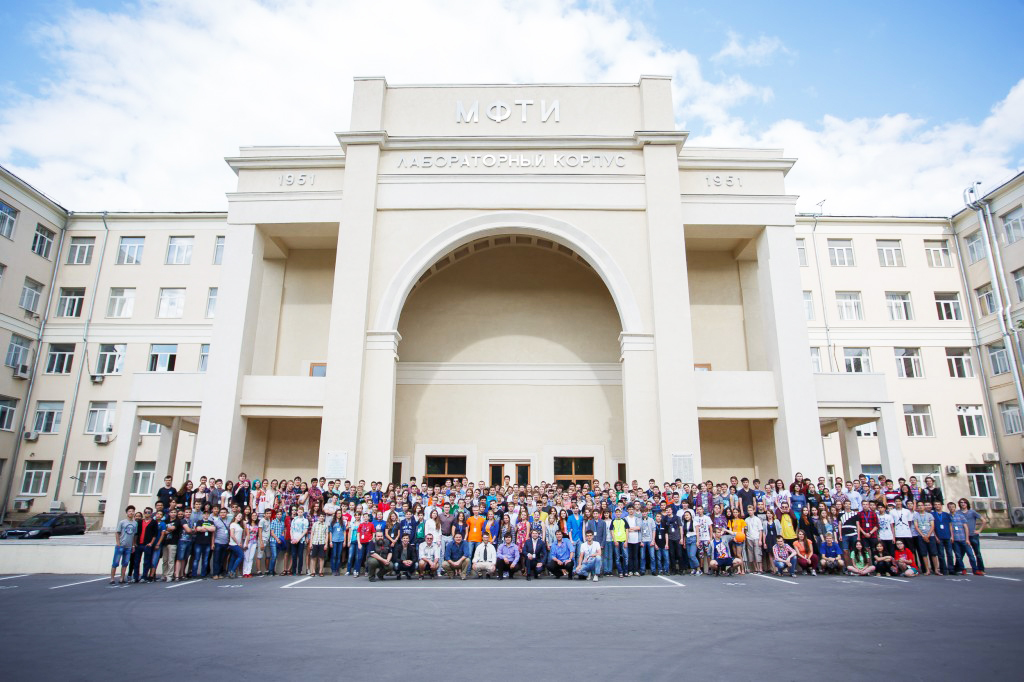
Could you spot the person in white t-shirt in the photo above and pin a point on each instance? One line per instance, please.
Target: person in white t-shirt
(902, 522)
(589, 564)
(886, 523)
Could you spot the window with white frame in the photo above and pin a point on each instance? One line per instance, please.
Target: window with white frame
(70, 302)
(162, 357)
(8, 216)
(908, 363)
(7, 408)
(857, 360)
(809, 305)
(869, 430)
(142, 478)
(3, 269)
(42, 241)
(971, 420)
(172, 303)
(90, 478)
(849, 305)
(121, 302)
(179, 250)
(982, 480)
(1013, 225)
(211, 302)
(898, 303)
(918, 419)
(148, 428)
(129, 250)
(188, 471)
(959, 362)
(975, 247)
(937, 253)
(1018, 282)
(998, 358)
(947, 305)
(31, 291)
(924, 471)
(59, 358)
(111, 358)
(204, 356)
(816, 360)
(80, 251)
(36, 478)
(1010, 413)
(1018, 475)
(986, 299)
(840, 252)
(100, 418)
(801, 252)
(48, 415)
(218, 250)
(890, 253)
(18, 351)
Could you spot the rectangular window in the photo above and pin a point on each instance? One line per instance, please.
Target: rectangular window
(960, 364)
(816, 360)
(971, 421)
(975, 247)
(90, 478)
(858, 360)
(129, 250)
(121, 302)
(8, 216)
(998, 358)
(218, 250)
(1013, 226)
(890, 253)
(42, 241)
(162, 357)
(1018, 282)
(148, 428)
(31, 291)
(849, 305)
(48, 414)
(947, 305)
(70, 302)
(36, 479)
(172, 303)
(3, 269)
(100, 418)
(80, 251)
(919, 420)
(1010, 412)
(809, 305)
(60, 358)
(986, 299)
(801, 252)
(211, 302)
(204, 356)
(982, 479)
(840, 253)
(869, 430)
(142, 478)
(18, 351)
(111, 358)
(179, 250)
(899, 306)
(1018, 474)
(7, 409)
(937, 252)
(908, 363)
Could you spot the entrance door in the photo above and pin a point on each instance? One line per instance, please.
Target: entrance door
(443, 468)
(396, 473)
(497, 473)
(522, 474)
(578, 470)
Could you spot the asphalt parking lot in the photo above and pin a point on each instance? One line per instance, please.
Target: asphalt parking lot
(81, 628)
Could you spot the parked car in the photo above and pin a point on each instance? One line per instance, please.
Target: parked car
(45, 525)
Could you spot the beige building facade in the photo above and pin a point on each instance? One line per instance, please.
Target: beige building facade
(544, 282)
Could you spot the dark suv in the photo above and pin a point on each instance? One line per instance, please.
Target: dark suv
(45, 525)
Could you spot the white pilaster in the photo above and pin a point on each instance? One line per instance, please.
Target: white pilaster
(377, 421)
(849, 450)
(119, 477)
(640, 407)
(167, 448)
(889, 427)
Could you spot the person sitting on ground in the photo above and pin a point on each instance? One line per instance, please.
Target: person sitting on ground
(883, 561)
(831, 555)
(589, 565)
(456, 558)
(561, 555)
(783, 557)
(534, 554)
(484, 558)
(380, 557)
(403, 558)
(721, 559)
(904, 558)
(860, 560)
(805, 556)
(508, 559)
(429, 556)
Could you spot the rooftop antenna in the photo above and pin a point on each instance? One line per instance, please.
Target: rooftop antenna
(821, 207)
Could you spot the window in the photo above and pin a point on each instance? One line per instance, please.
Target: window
(90, 478)
(211, 302)
(18, 351)
(60, 358)
(840, 252)
(8, 216)
(148, 428)
(1018, 281)
(69, 304)
(858, 360)
(1013, 225)
(801, 252)
(947, 304)
(849, 305)
(121, 302)
(1018, 474)
(1010, 412)
(80, 252)
(48, 414)
(576, 470)
(937, 251)
(172, 303)
(919, 420)
(142, 478)
(908, 363)
(998, 358)
(816, 360)
(898, 303)
(959, 362)
(7, 408)
(204, 356)
(30, 293)
(923, 471)
(809, 305)
(179, 251)
(872, 471)
(42, 241)
(218, 250)
(986, 299)
(441, 468)
(869, 430)
(971, 421)
(162, 357)
(975, 247)
(111, 358)
(3, 269)
(36, 478)
(982, 480)
(318, 369)
(890, 253)
(129, 250)
(100, 418)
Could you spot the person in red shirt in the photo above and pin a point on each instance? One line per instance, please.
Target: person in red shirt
(867, 524)
(365, 536)
(904, 558)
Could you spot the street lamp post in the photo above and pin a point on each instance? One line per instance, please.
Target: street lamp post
(81, 503)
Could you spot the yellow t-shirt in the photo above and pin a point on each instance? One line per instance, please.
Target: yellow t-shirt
(618, 530)
(788, 532)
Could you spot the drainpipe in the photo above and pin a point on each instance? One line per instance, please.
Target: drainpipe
(35, 371)
(1002, 279)
(85, 358)
(832, 361)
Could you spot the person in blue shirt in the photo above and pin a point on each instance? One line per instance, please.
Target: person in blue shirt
(944, 536)
(574, 524)
(961, 530)
(831, 553)
(336, 538)
(560, 557)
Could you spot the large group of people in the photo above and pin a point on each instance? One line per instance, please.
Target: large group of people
(460, 530)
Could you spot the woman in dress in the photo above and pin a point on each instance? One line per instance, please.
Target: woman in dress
(236, 544)
(252, 532)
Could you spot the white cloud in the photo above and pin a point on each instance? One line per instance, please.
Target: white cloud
(754, 53)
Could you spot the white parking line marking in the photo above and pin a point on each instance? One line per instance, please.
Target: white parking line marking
(81, 582)
(183, 583)
(671, 581)
(300, 580)
(899, 580)
(768, 577)
(589, 586)
(10, 577)
(1000, 577)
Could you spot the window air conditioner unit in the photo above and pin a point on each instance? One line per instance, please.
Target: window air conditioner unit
(23, 503)
(998, 505)
(980, 505)
(22, 372)
(96, 378)
(102, 506)
(952, 470)
(56, 506)
(990, 457)
(1017, 516)
(101, 438)
(31, 436)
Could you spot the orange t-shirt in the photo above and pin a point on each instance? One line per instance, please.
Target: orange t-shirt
(476, 528)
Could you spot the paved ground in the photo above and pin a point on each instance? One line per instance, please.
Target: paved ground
(80, 628)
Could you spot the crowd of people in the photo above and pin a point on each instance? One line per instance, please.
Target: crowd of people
(459, 530)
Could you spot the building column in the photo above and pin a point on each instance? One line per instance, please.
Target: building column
(122, 466)
(849, 450)
(377, 418)
(889, 428)
(798, 444)
(641, 422)
(168, 447)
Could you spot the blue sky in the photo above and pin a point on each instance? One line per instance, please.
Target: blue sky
(846, 87)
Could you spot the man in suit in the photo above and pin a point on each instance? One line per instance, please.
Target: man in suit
(404, 558)
(535, 553)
